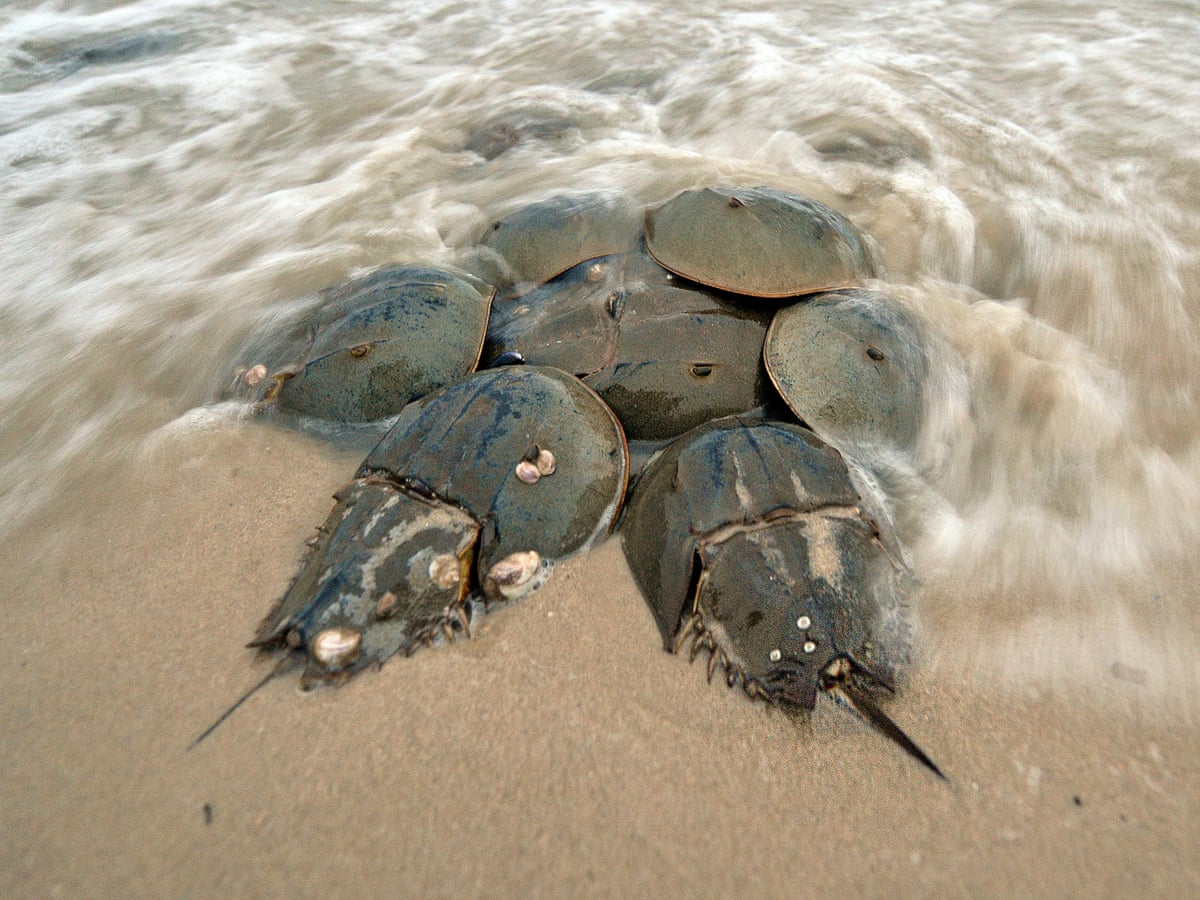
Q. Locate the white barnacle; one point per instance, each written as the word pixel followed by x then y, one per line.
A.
pixel 803 622
pixel 254 374
pixel 809 646
pixel 776 655
pixel 336 648
pixel 545 462
pixel 514 575
pixel 528 472
pixel 444 571
pixel 387 605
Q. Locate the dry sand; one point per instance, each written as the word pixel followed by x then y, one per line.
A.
pixel 560 752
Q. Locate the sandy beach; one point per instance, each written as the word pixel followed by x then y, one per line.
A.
pixel 183 179
pixel 559 752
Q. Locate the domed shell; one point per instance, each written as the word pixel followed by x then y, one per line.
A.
pixel 376 344
pixel 852 366
pixel 546 238
pixel 663 356
pixel 463 444
pixel 757 241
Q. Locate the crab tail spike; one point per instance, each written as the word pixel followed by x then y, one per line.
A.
pixel 840 683
pixel 286 664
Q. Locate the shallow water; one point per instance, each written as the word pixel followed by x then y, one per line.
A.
pixel 178 174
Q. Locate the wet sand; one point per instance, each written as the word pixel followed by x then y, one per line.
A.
pixel 560 752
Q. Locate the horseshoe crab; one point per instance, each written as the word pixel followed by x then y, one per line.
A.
pixel 476 490
pixel 665 358
pixel 760 241
pixel 468 501
pixel 544 239
pixel 851 365
pixel 503 132
pixel 747 538
pixel 364 353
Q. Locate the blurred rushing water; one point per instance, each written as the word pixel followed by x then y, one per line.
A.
pixel 177 173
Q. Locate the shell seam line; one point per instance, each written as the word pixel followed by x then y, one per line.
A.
pixel 775 517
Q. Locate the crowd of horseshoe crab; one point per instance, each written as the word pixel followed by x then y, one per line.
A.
pixel 726 334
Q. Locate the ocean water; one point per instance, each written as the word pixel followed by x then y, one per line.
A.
pixel 177 175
